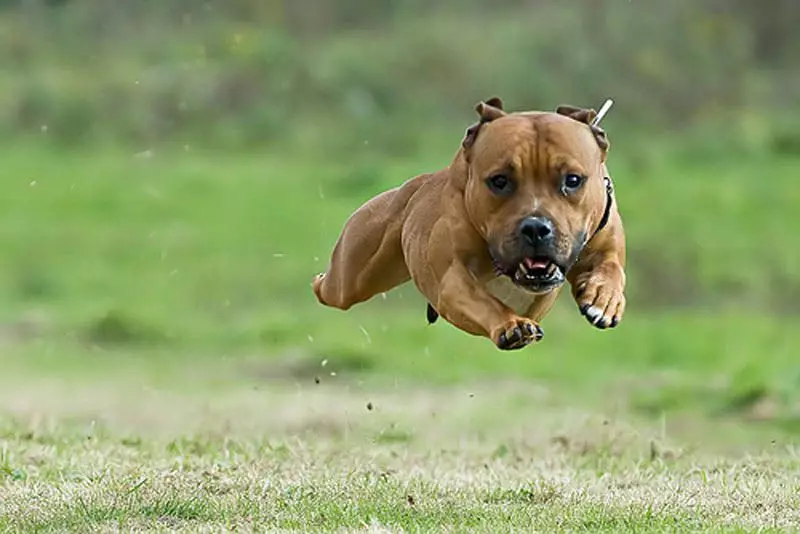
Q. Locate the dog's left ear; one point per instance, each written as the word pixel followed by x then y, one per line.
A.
pixel 488 111
pixel 586 116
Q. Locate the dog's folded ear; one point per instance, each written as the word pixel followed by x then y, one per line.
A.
pixel 579 114
pixel 586 116
pixel 488 110
pixel 491 109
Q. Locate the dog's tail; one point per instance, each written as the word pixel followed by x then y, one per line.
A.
pixel 433 315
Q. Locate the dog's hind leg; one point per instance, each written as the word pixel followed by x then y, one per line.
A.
pixel 368 257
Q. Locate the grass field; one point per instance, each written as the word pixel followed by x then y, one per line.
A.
pixel 165 365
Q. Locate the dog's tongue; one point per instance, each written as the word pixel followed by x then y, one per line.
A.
pixel 531 263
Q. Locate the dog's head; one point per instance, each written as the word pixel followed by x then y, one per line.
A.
pixel 535 188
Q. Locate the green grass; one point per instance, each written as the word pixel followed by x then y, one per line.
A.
pixel 166 366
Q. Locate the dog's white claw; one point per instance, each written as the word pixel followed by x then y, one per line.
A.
pixel 594 314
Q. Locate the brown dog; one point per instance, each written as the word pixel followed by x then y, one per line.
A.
pixel 525 205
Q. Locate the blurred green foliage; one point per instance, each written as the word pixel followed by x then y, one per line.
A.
pixel 244 73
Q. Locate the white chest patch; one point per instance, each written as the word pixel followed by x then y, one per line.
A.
pixel 510 294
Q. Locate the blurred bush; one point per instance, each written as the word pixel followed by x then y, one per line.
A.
pixel 243 73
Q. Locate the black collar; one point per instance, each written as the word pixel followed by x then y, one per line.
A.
pixel 609 202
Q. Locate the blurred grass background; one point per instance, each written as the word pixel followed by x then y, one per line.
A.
pixel 175 172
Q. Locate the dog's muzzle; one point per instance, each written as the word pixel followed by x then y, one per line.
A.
pixel 537 268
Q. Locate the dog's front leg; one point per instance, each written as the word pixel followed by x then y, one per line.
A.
pixel 598 278
pixel 464 303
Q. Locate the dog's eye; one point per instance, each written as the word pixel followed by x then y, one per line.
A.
pixel 572 182
pixel 500 184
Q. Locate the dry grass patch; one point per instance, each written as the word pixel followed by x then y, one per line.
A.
pixel 317 459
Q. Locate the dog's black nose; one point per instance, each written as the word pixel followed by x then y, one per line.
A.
pixel 537 230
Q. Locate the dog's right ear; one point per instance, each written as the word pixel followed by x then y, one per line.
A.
pixel 491 109
pixel 488 111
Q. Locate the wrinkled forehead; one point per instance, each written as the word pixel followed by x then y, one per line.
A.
pixel 536 139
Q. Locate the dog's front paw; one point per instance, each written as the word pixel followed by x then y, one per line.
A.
pixel 601 301
pixel 516 334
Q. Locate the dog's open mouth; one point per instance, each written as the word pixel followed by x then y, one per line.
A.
pixel 537 270
pixel 536 274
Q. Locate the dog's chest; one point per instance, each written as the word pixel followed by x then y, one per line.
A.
pixel 510 294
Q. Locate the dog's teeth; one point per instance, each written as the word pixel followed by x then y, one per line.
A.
pixel 523 268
